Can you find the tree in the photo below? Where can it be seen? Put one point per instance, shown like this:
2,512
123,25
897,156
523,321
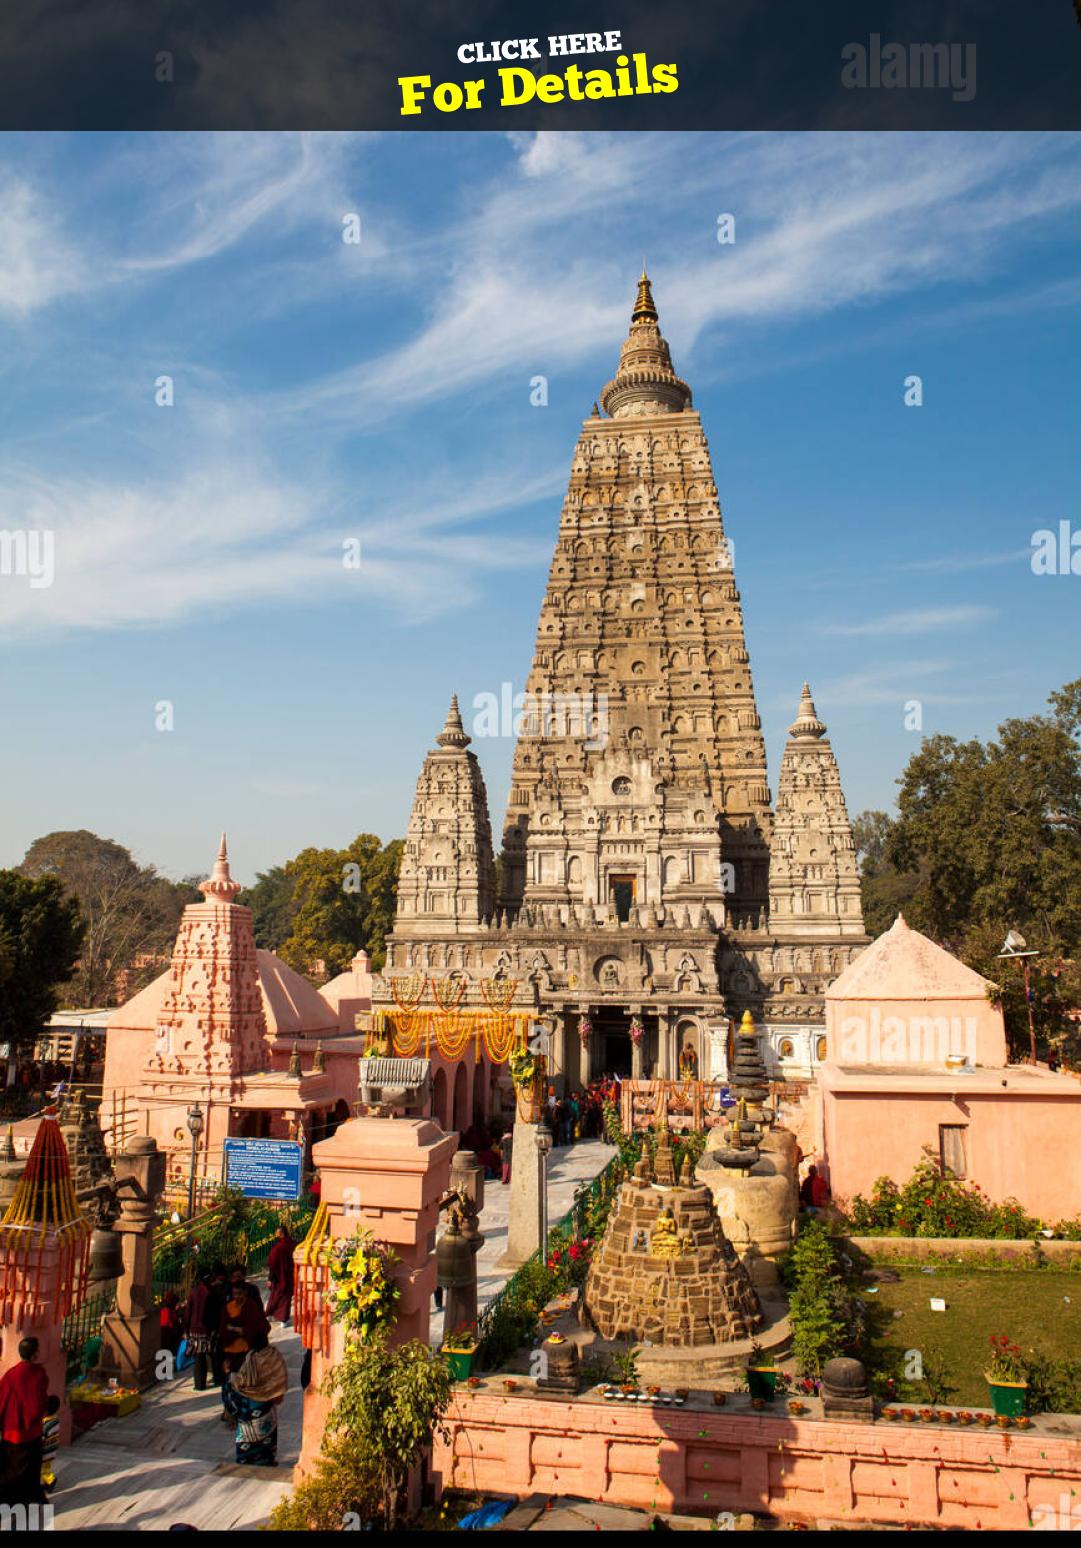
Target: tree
390,1402
274,907
131,912
40,934
988,839
345,901
885,891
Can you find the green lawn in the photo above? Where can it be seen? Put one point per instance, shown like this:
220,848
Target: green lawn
1038,1309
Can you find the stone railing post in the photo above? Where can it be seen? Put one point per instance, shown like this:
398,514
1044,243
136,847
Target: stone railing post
131,1335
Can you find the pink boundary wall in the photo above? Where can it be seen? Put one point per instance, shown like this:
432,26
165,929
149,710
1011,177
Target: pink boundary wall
805,1470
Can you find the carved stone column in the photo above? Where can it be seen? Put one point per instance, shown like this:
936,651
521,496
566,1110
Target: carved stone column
131,1335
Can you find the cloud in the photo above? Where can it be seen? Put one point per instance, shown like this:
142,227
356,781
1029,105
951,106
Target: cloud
928,620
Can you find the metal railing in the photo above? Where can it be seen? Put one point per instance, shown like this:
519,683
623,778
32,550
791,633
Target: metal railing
590,1198
82,1329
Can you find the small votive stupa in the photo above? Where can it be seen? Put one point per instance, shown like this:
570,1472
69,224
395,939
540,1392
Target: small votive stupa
665,1272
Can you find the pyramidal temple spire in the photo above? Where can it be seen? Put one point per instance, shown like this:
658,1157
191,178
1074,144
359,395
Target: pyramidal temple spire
453,733
220,884
645,382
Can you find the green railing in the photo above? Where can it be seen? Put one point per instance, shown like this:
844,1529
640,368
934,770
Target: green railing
588,1213
81,1336
180,1250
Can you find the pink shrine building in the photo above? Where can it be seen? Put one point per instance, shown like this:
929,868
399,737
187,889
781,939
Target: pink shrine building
916,1057
234,1029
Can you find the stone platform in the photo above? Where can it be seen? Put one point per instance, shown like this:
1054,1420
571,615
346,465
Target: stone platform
706,1365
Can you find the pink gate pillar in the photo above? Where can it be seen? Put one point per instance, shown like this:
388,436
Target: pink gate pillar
385,1175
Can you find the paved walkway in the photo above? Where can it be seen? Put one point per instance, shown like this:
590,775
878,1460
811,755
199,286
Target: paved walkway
173,1461
568,1167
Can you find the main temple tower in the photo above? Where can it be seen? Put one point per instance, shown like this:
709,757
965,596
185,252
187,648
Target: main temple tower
635,888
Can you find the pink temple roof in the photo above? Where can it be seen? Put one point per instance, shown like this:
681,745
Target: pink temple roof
902,964
293,1007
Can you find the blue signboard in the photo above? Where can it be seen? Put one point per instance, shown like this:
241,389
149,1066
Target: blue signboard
264,1168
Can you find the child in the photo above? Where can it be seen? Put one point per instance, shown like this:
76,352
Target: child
50,1441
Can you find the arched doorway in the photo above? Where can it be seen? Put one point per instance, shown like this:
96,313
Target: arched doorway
338,1116
480,1108
460,1119
439,1099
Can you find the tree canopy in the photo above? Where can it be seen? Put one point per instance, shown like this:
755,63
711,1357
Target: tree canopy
988,839
40,934
325,905
131,912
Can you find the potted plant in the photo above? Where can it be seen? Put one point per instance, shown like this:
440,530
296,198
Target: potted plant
761,1375
1006,1376
720,1398
460,1351
964,1417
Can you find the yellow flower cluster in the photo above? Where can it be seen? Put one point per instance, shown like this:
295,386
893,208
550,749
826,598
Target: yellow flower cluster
365,1293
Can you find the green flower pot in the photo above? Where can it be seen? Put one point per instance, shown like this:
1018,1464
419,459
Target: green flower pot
460,1362
1008,1397
762,1381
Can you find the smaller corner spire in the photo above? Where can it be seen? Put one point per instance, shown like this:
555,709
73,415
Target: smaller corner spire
453,733
220,885
807,723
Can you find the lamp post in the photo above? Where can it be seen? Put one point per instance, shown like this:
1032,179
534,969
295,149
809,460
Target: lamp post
1014,948
195,1128
544,1146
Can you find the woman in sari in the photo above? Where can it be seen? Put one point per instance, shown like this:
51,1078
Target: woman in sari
252,1395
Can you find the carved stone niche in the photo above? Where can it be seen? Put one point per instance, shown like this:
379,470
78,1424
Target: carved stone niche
609,972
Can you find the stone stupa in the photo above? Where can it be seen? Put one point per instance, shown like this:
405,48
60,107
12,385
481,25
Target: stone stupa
665,1273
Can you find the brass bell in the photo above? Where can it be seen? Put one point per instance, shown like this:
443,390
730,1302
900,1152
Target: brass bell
106,1257
453,1258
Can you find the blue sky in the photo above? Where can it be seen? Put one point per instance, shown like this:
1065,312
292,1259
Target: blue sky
327,391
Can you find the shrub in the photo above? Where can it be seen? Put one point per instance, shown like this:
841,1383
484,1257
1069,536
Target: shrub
390,1401
818,1298
1054,1385
936,1203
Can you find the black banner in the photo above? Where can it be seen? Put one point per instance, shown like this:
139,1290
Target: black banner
637,64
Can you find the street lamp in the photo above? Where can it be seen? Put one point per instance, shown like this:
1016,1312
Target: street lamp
1014,948
195,1128
544,1146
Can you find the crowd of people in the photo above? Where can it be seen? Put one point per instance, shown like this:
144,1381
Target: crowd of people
578,1115
223,1330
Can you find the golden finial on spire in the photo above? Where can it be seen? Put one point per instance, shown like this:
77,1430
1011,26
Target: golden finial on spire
644,310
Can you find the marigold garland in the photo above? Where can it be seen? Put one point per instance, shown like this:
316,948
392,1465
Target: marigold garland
408,992
498,993
447,992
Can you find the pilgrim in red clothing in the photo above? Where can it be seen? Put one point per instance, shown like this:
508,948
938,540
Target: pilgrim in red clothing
23,1393
280,1276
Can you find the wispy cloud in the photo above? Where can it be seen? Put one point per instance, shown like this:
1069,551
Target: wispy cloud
927,620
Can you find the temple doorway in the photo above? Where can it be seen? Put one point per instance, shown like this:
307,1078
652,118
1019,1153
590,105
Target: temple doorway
611,1028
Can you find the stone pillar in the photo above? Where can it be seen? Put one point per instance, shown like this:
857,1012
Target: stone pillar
131,1335
637,1049
467,1177
664,1042
523,1230
386,1175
